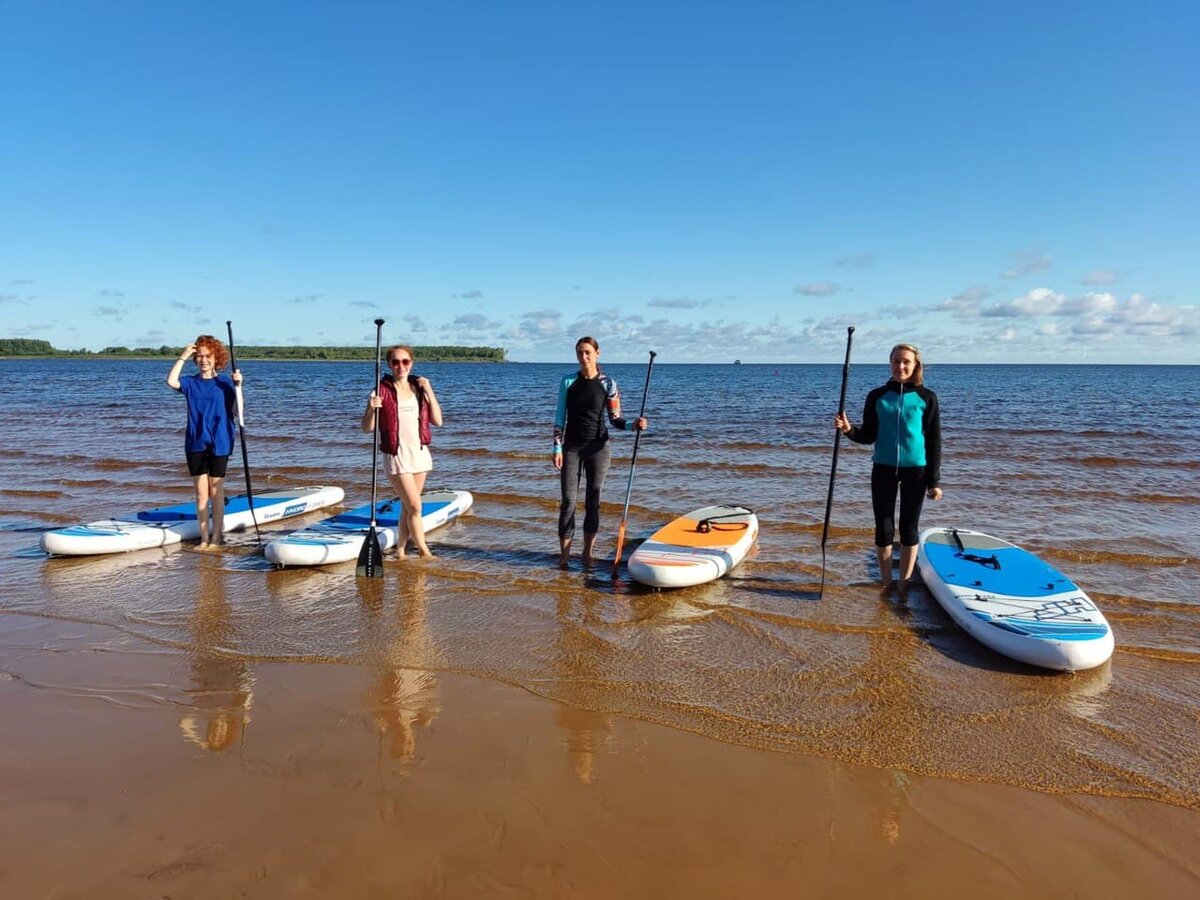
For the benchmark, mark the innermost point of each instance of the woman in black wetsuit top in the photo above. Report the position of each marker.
(585, 400)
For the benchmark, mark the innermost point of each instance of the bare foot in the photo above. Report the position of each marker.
(586, 560)
(564, 560)
(203, 545)
(400, 554)
(428, 554)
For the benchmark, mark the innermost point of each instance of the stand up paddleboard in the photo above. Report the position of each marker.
(1012, 601)
(338, 539)
(172, 524)
(695, 548)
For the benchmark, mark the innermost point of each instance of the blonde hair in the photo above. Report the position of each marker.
(918, 375)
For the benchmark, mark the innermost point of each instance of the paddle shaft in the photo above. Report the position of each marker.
(370, 556)
(375, 430)
(242, 437)
(637, 437)
(837, 439)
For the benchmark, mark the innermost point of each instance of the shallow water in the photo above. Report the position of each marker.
(1096, 468)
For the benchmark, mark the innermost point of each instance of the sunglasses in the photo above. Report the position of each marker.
(399, 362)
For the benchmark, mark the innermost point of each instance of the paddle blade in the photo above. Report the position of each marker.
(620, 545)
(370, 557)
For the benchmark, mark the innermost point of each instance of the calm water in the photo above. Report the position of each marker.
(1096, 468)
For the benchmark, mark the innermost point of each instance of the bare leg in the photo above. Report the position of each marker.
(564, 552)
(402, 534)
(589, 541)
(216, 494)
(201, 483)
(884, 555)
(410, 495)
(908, 562)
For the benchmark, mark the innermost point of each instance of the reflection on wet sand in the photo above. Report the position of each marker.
(585, 735)
(222, 684)
(578, 660)
(891, 662)
(402, 654)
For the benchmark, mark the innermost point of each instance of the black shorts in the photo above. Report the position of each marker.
(205, 462)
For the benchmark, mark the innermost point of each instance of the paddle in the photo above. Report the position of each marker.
(370, 557)
(837, 440)
(242, 435)
(633, 465)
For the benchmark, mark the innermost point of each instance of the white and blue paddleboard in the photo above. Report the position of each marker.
(1012, 601)
(168, 525)
(339, 539)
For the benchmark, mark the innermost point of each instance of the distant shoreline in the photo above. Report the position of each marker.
(241, 357)
(26, 348)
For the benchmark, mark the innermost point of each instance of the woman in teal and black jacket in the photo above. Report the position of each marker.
(902, 420)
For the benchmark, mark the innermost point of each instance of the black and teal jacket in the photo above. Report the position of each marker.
(583, 404)
(905, 426)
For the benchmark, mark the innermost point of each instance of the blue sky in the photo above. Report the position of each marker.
(1012, 182)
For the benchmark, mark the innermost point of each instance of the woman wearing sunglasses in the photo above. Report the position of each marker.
(409, 409)
(213, 400)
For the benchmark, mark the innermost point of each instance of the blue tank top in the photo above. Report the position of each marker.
(210, 413)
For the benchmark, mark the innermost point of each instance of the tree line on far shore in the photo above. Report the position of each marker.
(444, 353)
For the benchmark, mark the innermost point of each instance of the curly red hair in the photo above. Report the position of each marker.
(216, 348)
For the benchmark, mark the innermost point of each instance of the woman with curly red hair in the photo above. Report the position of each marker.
(213, 401)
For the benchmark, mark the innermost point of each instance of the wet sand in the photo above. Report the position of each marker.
(121, 778)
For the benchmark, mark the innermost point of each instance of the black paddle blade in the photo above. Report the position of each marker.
(370, 557)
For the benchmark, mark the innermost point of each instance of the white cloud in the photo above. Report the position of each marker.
(1089, 304)
(1027, 262)
(818, 289)
(1098, 277)
(1038, 302)
(472, 323)
(855, 262)
(676, 303)
(907, 311)
(966, 303)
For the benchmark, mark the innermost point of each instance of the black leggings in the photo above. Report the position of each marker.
(591, 459)
(884, 481)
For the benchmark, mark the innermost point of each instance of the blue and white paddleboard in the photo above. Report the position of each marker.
(338, 539)
(171, 524)
(1012, 601)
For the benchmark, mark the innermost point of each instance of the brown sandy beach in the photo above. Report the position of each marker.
(123, 778)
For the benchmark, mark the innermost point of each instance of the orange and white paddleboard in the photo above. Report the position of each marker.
(695, 548)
